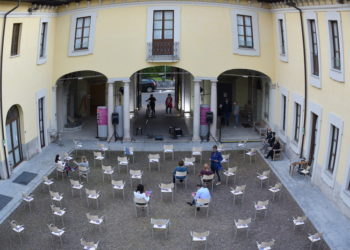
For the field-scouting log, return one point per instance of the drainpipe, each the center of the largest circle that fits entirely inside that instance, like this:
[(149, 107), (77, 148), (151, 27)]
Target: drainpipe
[(293, 4), (1, 77)]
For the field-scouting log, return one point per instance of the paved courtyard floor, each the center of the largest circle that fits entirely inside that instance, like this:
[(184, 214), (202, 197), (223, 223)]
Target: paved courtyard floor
[(122, 230)]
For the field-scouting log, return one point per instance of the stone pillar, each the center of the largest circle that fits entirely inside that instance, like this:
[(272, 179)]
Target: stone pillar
[(214, 107), (196, 110), (126, 110), (110, 107)]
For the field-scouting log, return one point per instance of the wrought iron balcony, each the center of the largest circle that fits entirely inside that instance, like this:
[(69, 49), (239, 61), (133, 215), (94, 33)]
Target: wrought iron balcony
[(163, 52)]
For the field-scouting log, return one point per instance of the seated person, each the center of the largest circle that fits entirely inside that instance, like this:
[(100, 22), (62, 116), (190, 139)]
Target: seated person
[(268, 134), (180, 168), (276, 145), (269, 142), (84, 163), (205, 171), (139, 193), (202, 193), (62, 165)]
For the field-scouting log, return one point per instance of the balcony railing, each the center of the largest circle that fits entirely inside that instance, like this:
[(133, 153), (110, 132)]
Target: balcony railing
[(163, 52)]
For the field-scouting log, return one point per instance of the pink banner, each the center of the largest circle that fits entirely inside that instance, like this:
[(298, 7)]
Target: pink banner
[(102, 115), (204, 110)]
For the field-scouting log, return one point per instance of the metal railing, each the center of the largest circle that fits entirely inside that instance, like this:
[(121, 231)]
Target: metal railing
[(163, 52)]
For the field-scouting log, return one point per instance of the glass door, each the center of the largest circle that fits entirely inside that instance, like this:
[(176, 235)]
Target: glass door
[(13, 140), (41, 122)]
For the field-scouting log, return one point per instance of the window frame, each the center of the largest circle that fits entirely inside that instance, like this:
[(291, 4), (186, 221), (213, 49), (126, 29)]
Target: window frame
[(247, 51), (314, 80), (84, 51), (43, 45), (333, 152), (297, 122), (282, 37), (16, 51), (336, 74), (83, 35), (245, 29), (163, 29), (284, 115), (327, 176)]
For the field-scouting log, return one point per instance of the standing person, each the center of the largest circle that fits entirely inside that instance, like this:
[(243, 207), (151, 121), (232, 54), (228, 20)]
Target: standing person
[(226, 109), (215, 159), (152, 103), (168, 104), (236, 113)]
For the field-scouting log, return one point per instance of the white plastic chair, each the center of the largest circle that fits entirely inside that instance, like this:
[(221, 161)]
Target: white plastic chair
[(230, 172), (202, 203), (47, 182), (56, 196), (95, 220), (153, 159), (93, 195), (264, 176), (107, 170), (190, 162), (276, 190), (242, 224), (267, 245), (141, 203), (98, 157), (123, 161), (135, 175), (252, 154), (89, 245), (161, 225), (299, 221), (55, 231), (57, 211), (17, 228), (197, 151), (76, 185), (118, 185), (28, 199), (181, 174), (166, 188), (199, 237), (261, 207), (238, 192), (168, 149)]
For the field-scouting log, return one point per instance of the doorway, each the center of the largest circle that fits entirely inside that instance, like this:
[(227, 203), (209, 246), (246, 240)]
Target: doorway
[(13, 138), (41, 122), (313, 137)]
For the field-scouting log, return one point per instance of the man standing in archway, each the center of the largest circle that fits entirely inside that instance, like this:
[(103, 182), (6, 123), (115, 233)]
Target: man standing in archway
[(152, 103), (236, 113)]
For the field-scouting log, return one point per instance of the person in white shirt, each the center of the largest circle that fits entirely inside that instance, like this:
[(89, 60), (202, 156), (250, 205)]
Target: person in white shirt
[(202, 193), (140, 193)]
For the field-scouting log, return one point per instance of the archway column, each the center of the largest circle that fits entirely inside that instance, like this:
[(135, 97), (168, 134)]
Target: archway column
[(214, 106), (110, 107), (126, 110), (196, 110)]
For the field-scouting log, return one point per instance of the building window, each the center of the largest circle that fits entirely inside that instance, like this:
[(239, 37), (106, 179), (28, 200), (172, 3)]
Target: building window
[(297, 122), (43, 40), (245, 26), (335, 45), (284, 112), (245, 31), (333, 148), (313, 48), (282, 43), (163, 32), (82, 33), (16, 37)]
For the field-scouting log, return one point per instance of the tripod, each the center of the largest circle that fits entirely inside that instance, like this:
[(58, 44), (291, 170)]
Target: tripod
[(115, 135)]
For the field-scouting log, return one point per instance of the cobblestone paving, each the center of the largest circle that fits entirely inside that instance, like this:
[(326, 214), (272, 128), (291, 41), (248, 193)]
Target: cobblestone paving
[(123, 230)]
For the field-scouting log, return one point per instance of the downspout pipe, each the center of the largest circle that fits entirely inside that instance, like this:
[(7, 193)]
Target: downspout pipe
[(293, 4), (1, 81)]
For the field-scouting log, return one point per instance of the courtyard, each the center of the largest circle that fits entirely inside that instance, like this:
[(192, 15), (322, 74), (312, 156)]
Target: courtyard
[(121, 228)]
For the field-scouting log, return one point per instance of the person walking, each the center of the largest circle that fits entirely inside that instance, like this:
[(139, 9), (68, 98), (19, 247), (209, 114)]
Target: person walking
[(152, 103), (236, 113), (215, 160), (168, 104)]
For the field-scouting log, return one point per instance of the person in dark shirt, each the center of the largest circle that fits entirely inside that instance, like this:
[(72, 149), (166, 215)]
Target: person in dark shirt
[(205, 171), (276, 145), (226, 108), (152, 103)]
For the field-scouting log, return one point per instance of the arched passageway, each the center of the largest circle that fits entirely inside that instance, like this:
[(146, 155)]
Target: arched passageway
[(243, 101), (168, 85), (78, 94)]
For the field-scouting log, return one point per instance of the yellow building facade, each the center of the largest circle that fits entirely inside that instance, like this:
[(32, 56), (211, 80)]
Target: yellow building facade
[(51, 50)]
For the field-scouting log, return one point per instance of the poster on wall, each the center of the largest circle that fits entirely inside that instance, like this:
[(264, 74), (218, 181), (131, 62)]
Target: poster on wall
[(102, 121)]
